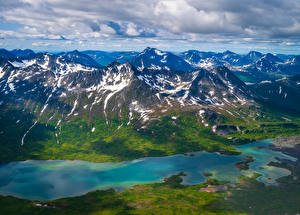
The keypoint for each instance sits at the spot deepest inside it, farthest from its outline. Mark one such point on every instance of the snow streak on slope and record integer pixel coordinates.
(22, 141)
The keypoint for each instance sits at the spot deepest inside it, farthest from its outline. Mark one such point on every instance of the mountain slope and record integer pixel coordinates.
(284, 93)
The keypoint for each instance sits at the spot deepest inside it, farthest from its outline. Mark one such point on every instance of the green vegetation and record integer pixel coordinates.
(253, 197)
(268, 130)
(244, 165)
(257, 77)
(76, 140)
(260, 122)
(117, 141)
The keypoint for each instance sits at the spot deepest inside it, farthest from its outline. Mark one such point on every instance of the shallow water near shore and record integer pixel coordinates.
(45, 180)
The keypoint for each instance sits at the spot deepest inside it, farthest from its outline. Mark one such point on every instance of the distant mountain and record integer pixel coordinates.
(154, 59)
(194, 56)
(7, 55)
(249, 58)
(230, 57)
(272, 58)
(197, 59)
(265, 65)
(291, 67)
(252, 67)
(123, 56)
(80, 58)
(284, 57)
(25, 53)
(105, 58)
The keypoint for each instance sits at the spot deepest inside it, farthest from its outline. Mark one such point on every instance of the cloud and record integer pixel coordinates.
(40, 44)
(188, 20)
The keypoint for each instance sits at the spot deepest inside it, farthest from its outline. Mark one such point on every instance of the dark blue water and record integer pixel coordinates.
(45, 180)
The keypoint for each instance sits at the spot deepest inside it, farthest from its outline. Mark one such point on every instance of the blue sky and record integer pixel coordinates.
(174, 25)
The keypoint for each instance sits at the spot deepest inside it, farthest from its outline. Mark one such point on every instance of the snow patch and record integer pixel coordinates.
(74, 106)
(265, 82)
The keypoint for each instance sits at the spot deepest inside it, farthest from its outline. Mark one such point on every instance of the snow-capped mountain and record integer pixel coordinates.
(74, 82)
(197, 59)
(63, 85)
(229, 57)
(253, 67)
(154, 59)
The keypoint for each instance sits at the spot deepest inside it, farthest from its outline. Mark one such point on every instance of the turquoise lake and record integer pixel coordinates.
(45, 180)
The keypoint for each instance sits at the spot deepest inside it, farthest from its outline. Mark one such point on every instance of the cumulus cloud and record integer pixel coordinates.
(189, 20)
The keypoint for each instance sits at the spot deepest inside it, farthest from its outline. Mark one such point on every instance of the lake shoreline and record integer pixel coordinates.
(123, 175)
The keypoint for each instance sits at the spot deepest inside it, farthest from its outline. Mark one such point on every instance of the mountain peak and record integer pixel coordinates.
(227, 52)
(155, 59)
(114, 63)
(255, 54)
(150, 50)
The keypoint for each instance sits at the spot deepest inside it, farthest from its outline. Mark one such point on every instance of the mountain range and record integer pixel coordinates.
(139, 89)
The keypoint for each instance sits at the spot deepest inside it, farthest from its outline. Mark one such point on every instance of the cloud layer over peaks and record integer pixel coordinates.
(107, 21)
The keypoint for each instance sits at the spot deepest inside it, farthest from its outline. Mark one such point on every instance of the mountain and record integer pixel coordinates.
(7, 55)
(154, 59)
(230, 57)
(271, 67)
(285, 57)
(284, 93)
(65, 105)
(52, 78)
(80, 58)
(295, 60)
(65, 87)
(23, 53)
(249, 58)
(194, 56)
(291, 66)
(197, 59)
(123, 56)
(272, 58)
(105, 58)
(252, 67)
(264, 65)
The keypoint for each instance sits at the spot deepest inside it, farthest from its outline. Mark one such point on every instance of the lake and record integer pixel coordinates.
(45, 180)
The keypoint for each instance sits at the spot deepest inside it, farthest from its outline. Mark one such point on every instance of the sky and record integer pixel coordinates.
(173, 25)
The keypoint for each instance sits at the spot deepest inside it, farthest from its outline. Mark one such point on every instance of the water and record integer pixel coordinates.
(46, 180)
